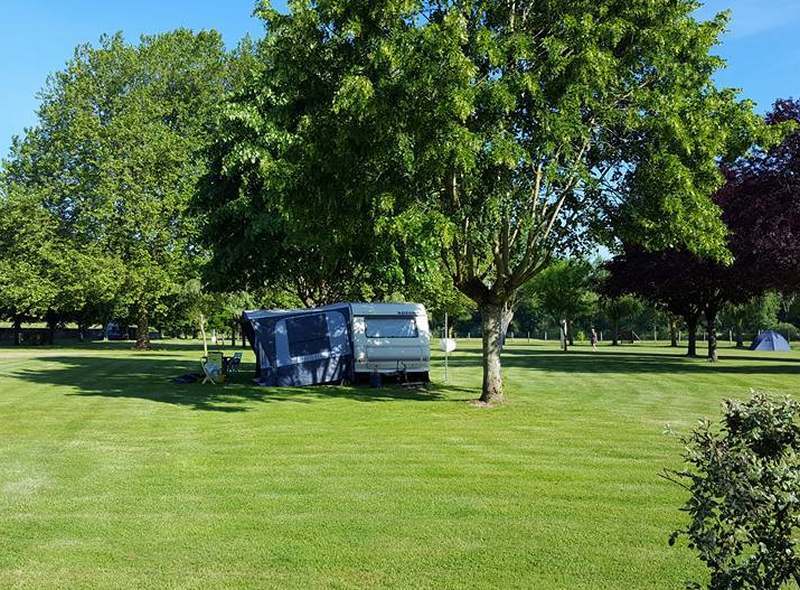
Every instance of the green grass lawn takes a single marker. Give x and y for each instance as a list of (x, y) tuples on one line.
[(111, 476)]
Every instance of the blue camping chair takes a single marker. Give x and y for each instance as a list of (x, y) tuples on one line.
[(232, 364)]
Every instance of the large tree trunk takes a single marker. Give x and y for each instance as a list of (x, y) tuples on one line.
[(17, 331), (711, 329), (564, 334), (570, 333), (615, 336), (691, 337), (673, 333), (51, 331), (142, 328), (492, 322)]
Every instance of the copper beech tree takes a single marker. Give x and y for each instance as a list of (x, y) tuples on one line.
[(760, 208)]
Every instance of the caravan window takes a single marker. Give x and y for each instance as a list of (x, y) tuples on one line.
[(392, 328), (308, 334)]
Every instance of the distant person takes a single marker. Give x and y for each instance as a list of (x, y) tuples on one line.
[(593, 340)]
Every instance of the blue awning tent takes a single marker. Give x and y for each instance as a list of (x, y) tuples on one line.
[(770, 341), (301, 347)]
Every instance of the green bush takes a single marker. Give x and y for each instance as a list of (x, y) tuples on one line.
[(744, 506), (786, 329)]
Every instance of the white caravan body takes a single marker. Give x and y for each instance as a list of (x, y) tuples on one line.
[(391, 338)]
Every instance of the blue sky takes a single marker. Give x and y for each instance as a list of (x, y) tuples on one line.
[(37, 37)]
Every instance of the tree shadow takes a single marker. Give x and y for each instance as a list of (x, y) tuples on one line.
[(123, 346), (150, 378), (631, 361)]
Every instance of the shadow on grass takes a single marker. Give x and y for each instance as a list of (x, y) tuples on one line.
[(150, 378), (629, 361), (122, 345)]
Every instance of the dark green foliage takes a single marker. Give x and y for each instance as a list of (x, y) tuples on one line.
[(744, 481), (297, 196)]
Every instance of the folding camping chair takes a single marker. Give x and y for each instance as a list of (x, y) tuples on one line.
[(232, 364), (213, 368)]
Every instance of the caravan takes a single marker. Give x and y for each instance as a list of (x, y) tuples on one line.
[(391, 339), (336, 343)]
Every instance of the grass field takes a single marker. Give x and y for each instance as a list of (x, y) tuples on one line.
[(113, 477)]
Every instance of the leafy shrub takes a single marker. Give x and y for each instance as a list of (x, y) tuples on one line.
[(788, 330), (744, 507)]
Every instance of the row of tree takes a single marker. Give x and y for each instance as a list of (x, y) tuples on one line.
[(760, 207), (444, 151), (96, 197), (577, 295)]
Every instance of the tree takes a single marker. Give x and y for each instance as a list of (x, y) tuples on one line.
[(760, 313), (673, 326), (28, 255), (116, 155), (760, 207), (528, 315), (761, 204), (564, 291), (617, 309), (517, 128), (290, 200), (744, 506), (198, 305), (671, 278)]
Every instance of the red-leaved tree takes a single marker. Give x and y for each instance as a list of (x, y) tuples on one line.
[(760, 205)]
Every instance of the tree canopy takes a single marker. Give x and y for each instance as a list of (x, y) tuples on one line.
[(115, 157), (565, 291), (508, 131), (760, 208)]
